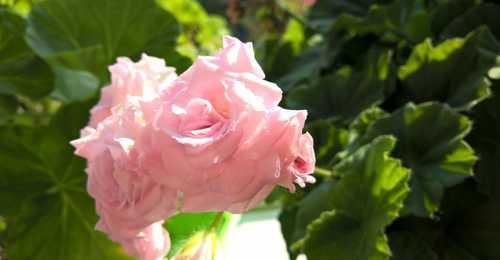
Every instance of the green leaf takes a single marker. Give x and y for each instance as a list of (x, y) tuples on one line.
[(483, 14), (287, 218), (324, 12), (8, 107), (278, 56), (430, 142), (307, 65), (328, 140), (201, 32), (48, 212), (454, 72), (359, 126), (405, 246), (400, 20), (21, 72), (467, 229), (67, 79), (186, 225), (367, 198), (485, 138), (90, 35), (445, 13), (344, 94)]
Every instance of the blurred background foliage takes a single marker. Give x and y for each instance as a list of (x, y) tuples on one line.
[(403, 100)]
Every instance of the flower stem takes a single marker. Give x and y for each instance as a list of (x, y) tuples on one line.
[(217, 221), (324, 172)]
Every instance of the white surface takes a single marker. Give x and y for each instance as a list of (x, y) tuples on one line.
[(256, 237)]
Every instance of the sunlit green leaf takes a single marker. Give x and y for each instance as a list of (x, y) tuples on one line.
[(368, 197), (185, 225), (430, 143), (454, 72), (201, 32)]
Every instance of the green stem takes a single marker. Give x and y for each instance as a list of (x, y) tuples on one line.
[(217, 221), (324, 172), (213, 230)]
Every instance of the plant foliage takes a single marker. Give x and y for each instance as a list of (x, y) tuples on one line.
[(403, 99), (424, 73)]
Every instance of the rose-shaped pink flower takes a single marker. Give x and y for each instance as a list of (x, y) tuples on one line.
[(219, 137), (130, 204), (129, 80), (212, 139)]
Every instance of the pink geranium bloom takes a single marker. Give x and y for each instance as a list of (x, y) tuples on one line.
[(211, 139)]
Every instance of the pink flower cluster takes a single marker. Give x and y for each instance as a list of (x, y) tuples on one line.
[(211, 139)]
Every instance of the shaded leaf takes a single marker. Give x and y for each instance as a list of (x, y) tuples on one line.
[(467, 229), (8, 107), (347, 92), (400, 20), (328, 140), (90, 35), (485, 138), (287, 218), (43, 195), (21, 72), (306, 67), (323, 12), (483, 14), (446, 12)]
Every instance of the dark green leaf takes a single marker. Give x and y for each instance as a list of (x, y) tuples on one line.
[(328, 140), (430, 143), (485, 138), (324, 11), (305, 67), (406, 246), (445, 13), (400, 20), (467, 229), (42, 192), (483, 14), (346, 93), (90, 35), (287, 218), (21, 72), (8, 107)]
